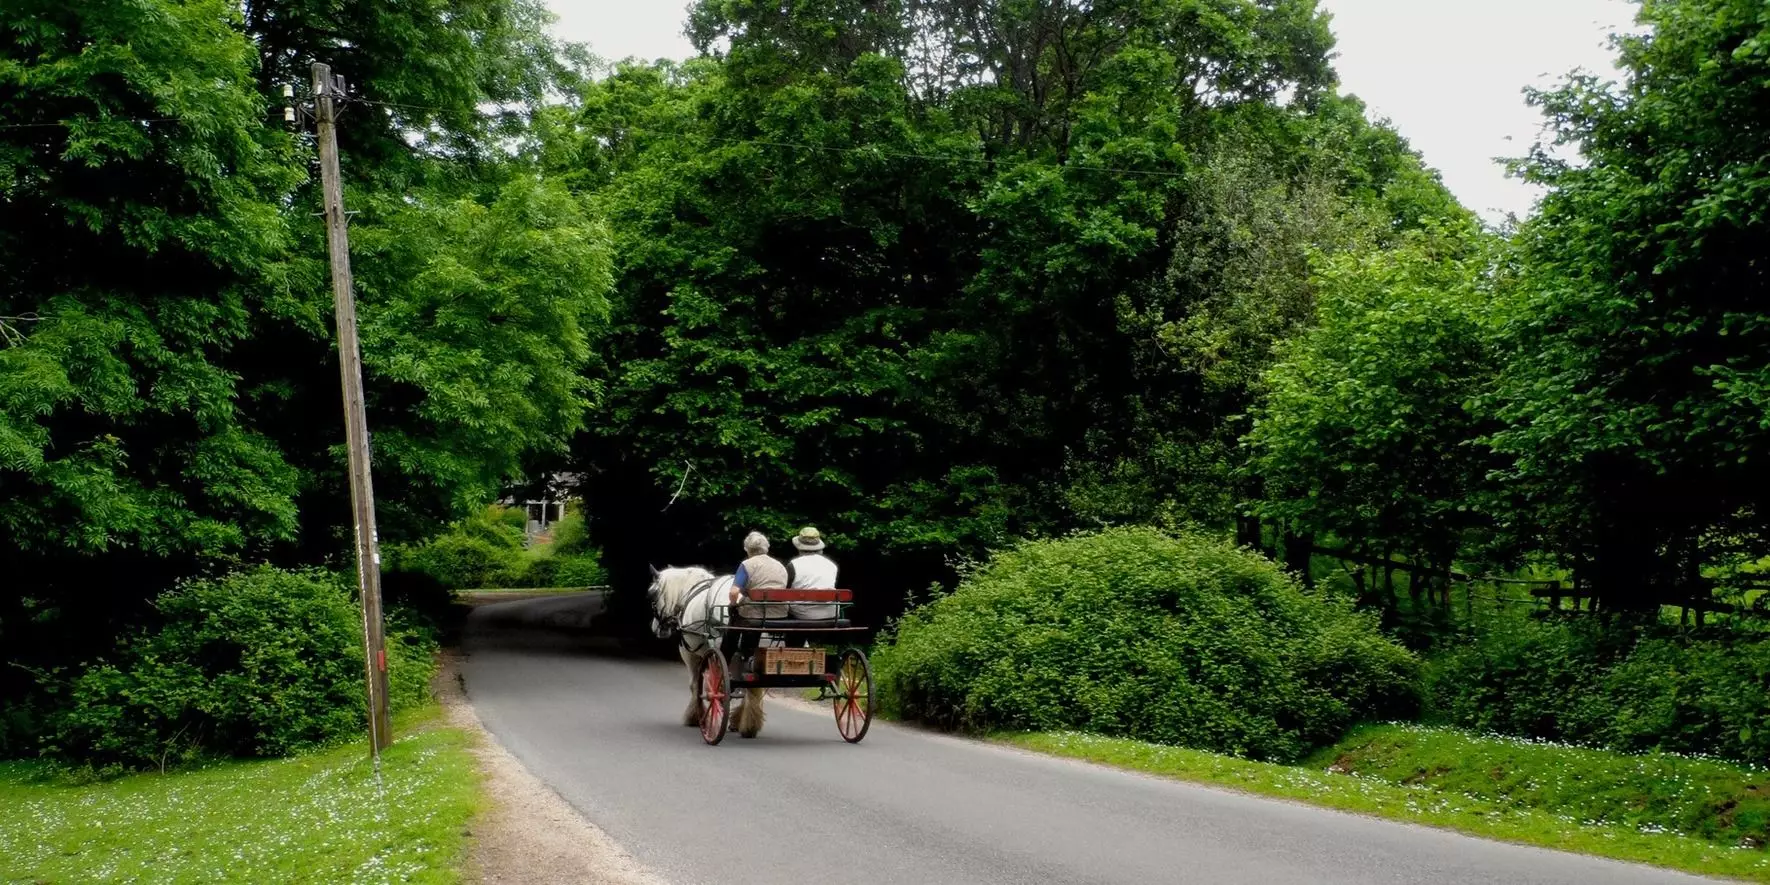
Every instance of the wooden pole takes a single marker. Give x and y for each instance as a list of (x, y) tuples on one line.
[(356, 423)]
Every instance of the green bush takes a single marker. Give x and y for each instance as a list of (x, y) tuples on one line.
[(1178, 640), (487, 551), (259, 663), (541, 570), (547, 568), (571, 536), (464, 561), (1616, 686), (578, 571)]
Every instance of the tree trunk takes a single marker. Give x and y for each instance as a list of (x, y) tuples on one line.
[(1247, 531), (1297, 552)]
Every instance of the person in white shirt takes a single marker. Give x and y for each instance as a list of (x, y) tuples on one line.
[(811, 570)]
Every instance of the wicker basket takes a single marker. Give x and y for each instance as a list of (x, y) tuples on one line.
[(789, 661)]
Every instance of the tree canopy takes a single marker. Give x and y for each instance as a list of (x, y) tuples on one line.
[(946, 274), (168, 380), (935, 276)]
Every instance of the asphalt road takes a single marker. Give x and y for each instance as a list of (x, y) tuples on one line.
[(797, 805)]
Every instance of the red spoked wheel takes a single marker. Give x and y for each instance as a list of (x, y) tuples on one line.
[(854, 696), (715, 697)]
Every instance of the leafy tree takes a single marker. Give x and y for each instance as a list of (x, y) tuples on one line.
[(769, 299), (931, 303), (1633, 395), (1366, 433), (168, 382), (139, 226), (138, 233), (478, 316), (445, 260), (449, 76)]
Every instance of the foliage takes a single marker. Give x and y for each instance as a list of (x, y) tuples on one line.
[(489, 551), (1178, 640), (1609, 686), (569, 559), (130, 260), (1632, 390), (458, 73), (1366, 432), (259, 663), (582, 570), (910, 270), (460, 561), (477, 317), (327, 816), (485, 550), (1418, 782), (571, 534), (168, 381), (1695, 797)]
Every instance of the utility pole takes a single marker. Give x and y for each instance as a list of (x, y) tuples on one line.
[(356, 423)]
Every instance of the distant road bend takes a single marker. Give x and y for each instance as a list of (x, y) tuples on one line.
[(797, 805)]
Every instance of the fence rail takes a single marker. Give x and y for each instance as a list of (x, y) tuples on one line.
[(1552, 591)]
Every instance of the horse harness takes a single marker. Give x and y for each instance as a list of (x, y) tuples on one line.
[(674, 620)]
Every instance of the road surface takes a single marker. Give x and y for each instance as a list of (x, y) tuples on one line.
[(797, 805)]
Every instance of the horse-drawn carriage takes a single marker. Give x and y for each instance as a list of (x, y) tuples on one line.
[(765, 651)]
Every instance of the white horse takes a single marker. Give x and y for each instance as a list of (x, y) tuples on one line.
[(691, 602)]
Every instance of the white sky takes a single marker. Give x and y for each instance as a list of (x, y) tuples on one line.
[(1447, 73)]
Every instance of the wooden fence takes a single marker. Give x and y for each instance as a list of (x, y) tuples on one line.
[(1544, 593)]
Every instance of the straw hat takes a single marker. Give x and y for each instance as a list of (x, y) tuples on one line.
[(808, 540)]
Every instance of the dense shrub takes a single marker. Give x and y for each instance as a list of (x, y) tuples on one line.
[(577, 571), (1179, 640), (488, 551), (464, 561), (259, 663), (1617, 686), (571, 537), (548, 568)]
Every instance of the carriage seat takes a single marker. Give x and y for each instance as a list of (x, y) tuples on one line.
[(789, 623), (836, 598)]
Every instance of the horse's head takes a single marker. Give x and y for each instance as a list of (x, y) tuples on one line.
[(668, 587)]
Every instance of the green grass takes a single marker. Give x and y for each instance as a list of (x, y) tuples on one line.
[(1711, 800), (313, 818), (1588, 801)]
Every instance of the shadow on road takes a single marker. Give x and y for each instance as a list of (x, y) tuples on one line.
[(574, 624)]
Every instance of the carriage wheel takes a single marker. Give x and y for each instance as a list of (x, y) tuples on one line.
[(854, 696), (715, 697)]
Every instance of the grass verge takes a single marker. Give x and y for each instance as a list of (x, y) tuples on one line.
[(1545, 798), (312, 818)]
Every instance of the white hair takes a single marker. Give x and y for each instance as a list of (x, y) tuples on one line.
[(755, 544)]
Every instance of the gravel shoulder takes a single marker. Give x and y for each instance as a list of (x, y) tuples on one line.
[(525, 832)]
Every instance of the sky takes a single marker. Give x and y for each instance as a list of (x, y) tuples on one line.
[(1448, 74)]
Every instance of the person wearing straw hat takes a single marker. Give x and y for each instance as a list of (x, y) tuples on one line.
[(811, 570)]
